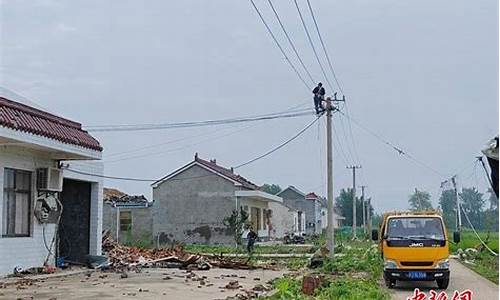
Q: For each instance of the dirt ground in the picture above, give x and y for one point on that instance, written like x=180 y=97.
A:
x=148 y=284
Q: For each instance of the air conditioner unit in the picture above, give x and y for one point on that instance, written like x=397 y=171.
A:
x=49 y=179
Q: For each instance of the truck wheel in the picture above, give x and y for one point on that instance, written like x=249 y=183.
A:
x=443 y=283
x=390 y=283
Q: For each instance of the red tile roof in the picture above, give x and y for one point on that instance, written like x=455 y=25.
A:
x=227 y=172
x=312 y=196
x=25 y=118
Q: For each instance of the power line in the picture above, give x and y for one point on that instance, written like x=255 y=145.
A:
x=293 y=108
x=279 y=45
x=397 y=149
x=290 y=41
x=324 y=47
x=312 y=44
x=238 y=166
x=281 y=145
x=144 y=127
x=109 y=177
x=182 y=147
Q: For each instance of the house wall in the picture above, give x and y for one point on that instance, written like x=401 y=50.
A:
x=299 y=203
x=142 y=223
x=284 y=220
x=30 y=251
x=190 y=208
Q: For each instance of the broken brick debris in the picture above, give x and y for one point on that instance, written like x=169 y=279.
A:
x=121 y=256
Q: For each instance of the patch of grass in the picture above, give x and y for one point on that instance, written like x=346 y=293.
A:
x=338 y=288
x=280 y=249
x=144 y=241
x=353 y=275
x=352 y=289
x=470 y=240
x=213 y=249
x=357 y=257
x=485 y=264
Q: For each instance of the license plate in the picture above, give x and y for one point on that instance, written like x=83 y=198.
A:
x=417 y=275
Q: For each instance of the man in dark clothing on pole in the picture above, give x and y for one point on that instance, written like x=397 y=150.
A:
x=319 y=94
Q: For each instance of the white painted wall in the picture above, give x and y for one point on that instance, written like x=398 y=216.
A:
x=30 y=251
x=284 y=220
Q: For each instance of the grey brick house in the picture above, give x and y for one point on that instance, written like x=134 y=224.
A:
x=192 y=202
x=311 y=210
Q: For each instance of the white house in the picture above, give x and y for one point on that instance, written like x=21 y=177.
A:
x=47 y=162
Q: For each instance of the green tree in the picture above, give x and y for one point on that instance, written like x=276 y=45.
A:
x=491 y=214
x=448 y=205
x=343 y=205
x=272 y=189
x=420 y=200
x=236 y=223
x=473 y=204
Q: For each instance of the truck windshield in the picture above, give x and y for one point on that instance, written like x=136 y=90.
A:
x=415 y=228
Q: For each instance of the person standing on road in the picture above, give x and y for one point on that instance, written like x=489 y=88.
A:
x=319 y=94
x=252 y=237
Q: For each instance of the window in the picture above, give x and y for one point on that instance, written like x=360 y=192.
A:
x=125 y=220
x=16 y=203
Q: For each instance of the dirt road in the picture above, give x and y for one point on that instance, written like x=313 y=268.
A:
x=149 y=284
x=461 y=278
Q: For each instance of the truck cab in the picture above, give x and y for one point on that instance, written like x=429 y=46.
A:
x=414 y=246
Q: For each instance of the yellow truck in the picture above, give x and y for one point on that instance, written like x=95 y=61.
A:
x=414 y=246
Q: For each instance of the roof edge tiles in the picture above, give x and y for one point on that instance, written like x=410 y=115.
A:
x=21 y=117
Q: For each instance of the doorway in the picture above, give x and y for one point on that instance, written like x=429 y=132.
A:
x=74 y=228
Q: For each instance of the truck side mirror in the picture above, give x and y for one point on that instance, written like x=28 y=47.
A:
x=374 y=235
x=456 y=237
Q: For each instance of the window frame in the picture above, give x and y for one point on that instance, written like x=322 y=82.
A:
x=129 y=212
x=16 y=191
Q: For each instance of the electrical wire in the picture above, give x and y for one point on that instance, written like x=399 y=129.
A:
x=396 y=148
x=280 y=145
x=238 y=166
x=279 y=45
x=475 y=232
x=180 y=148
x=324 y=47
x=144 y=127
x=293 y=108
x=290 y=42
x=312 y=44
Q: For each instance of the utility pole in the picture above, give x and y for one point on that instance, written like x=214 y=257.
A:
x=353 y=199
x=329 y=166
x=364 y=207
x=459 y=215
x=369 y=217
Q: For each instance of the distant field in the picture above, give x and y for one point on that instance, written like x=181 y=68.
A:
x=469 y=240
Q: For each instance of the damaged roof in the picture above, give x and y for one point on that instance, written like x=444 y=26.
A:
x=21 y=117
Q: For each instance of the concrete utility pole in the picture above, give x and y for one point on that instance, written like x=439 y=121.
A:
x=329 y=166
x=369 y=217
x=459 y=215
x=364 y=207
x=354 y=199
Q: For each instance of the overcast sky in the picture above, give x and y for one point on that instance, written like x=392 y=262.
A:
x=423 y=74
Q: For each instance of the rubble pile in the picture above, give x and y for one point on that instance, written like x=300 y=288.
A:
x=125 y=256
x=121 y=256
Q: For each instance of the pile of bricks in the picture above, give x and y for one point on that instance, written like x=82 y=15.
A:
x=121 y=255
